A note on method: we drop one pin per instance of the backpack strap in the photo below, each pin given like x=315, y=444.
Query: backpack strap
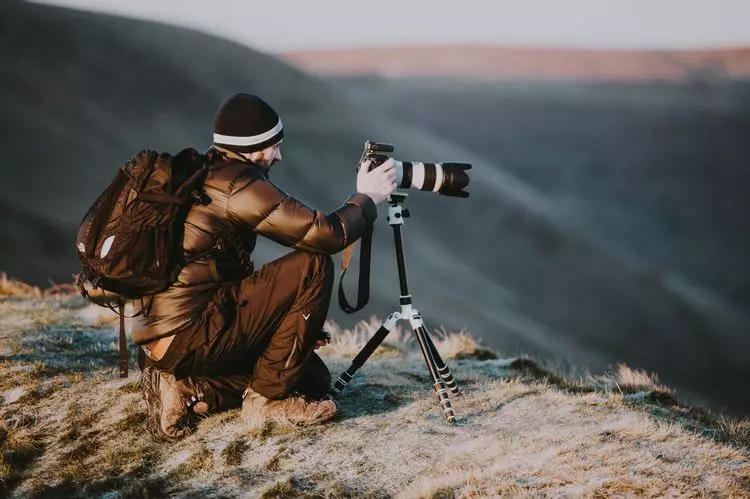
x=123, y=342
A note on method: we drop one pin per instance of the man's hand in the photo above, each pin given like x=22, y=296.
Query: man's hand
x=379, y=183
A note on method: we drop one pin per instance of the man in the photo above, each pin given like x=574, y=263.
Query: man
x=226, y=334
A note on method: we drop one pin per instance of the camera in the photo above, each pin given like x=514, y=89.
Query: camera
x=448, y=179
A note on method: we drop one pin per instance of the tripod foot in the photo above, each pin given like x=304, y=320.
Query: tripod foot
x=445, y=402
x=339, y=385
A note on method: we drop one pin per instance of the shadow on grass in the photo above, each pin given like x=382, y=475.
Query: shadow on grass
x=372, y=398
x=126, y=486
x=16, y=455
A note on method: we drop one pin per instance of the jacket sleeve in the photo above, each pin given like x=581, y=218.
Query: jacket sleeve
x=271, y=212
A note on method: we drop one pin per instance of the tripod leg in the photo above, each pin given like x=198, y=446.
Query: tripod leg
x=440, y=388
x=362, y=356
x=443, y=368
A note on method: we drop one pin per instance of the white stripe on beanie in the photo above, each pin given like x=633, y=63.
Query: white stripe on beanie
x=232, y=140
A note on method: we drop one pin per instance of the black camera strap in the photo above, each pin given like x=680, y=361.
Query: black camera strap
x=363, y=292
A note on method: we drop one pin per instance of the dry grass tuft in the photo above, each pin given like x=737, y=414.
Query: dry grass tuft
x=274, y=464
x=135, y=417
x=400, y=342
x=281, y=490
x=268, y=429
x=348, y=342
x=19, y=446
x=443, y=493
x=77, y=421
x=201, y=461
x=132, y=387
x=234, y=451
x=14, y=287
x=293, y=488
x=461, y=345
x=627, y=380
x=733, y=430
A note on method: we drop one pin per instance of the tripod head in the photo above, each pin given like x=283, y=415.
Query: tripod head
x=396, y=213
x=397, y=198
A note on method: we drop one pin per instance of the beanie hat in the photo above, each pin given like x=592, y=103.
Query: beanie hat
x=246, y=123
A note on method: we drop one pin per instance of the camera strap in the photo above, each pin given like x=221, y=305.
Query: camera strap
x=363, y=292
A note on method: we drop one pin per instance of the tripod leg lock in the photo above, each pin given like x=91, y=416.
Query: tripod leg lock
x=448, y=378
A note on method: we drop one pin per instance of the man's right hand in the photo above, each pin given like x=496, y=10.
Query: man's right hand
x=378, y=183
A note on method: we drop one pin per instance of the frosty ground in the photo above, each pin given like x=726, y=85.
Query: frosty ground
x=70, y=427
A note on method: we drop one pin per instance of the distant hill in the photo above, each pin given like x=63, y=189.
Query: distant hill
x=510, y=264
x=33, y=243
x=525, y=63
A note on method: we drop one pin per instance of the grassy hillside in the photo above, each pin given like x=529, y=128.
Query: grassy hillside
x=70, y=428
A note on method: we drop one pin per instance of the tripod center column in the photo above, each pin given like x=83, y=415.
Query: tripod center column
x=396, y=216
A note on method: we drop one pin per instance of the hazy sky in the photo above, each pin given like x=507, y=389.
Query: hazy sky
x=275, y=26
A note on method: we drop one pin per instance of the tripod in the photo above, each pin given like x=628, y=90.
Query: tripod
x=441, y=375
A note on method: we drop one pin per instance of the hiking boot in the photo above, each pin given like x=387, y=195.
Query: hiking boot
x=252, y=407
x=295, y=409
x=172, y=406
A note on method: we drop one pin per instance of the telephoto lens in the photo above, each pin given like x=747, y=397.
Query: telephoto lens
x=448, y=179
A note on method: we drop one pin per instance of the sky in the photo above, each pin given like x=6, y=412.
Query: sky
x=277, y=26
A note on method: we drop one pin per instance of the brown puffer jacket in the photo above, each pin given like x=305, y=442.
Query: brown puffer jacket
x=244, y=203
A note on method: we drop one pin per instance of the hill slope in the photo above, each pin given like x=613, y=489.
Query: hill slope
x=642, y=169
x=69, y=428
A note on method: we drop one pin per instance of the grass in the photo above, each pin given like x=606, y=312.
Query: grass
x=199, y=462
x=19, y=446
x=69, y=427
x=14, y=287
x=234, y=451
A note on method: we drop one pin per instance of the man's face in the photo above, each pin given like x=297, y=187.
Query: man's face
x=268, y=156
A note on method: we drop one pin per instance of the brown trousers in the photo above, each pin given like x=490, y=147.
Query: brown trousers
x=263, y=329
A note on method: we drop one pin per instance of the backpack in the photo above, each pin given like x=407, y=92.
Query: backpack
x=130, y=239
